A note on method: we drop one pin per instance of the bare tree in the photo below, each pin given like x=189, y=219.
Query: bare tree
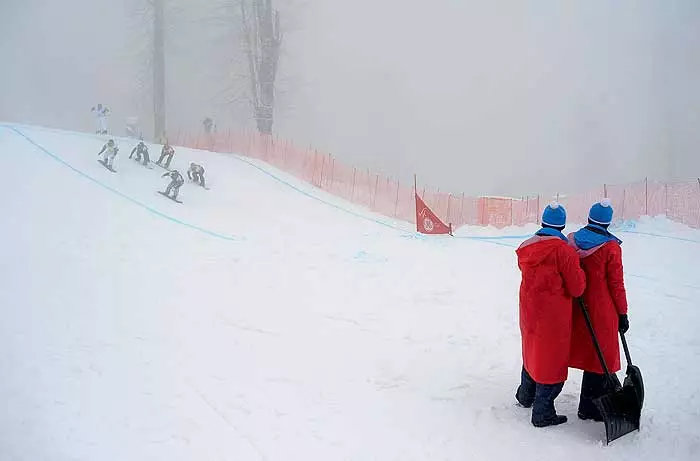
x=262, y=42
x=158, y=71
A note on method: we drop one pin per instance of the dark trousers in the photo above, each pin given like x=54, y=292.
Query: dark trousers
x=538, y=396
x=138, y=157
x=198, y=178
x=162, y=156
x=175, y=187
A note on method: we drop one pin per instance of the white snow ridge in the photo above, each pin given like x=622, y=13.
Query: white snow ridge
x=265, y=320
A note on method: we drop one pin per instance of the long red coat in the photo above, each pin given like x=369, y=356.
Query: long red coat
x=551, y=277
x=606, y=299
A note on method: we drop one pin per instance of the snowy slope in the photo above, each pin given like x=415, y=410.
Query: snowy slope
x=265, y=320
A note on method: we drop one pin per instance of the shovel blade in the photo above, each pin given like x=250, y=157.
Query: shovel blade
x=621, y=411
x=634, y=380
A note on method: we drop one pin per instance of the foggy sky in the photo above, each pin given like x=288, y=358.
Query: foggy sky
x=502, y=97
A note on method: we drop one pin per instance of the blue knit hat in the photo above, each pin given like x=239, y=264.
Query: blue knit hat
x=554, y=215
x=601, y=212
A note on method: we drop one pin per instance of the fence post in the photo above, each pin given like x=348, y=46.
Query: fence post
x=461, y=212
x=449, y=197
x=605, y=191
x=646, y=196
x=323, y=164
x=538, y=210
x=352, y=194
x=376, y=185
x=527, y=208
x=699, y=204
x=666, y=200
x=313, y=173
x=511, y=212
x=396, y=203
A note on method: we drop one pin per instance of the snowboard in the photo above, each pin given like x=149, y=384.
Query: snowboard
x=192, y=181
x=148, y=165
x=162, y=166
x=107, y=166
x=167, y=196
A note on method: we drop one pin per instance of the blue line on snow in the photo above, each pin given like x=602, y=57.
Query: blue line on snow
x=649, y=234
x=122, y=195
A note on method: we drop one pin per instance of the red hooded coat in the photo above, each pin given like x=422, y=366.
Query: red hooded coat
x=606, y=299
x=551, y=277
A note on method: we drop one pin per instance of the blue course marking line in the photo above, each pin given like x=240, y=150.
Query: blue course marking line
x=122, y=195
x=310, y=195
x=649, y=234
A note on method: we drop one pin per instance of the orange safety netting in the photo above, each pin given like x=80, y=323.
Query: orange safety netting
x=678, y=201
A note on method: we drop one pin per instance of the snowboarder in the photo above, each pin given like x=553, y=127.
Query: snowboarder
x=141, y=152
x=196, y=173
x=109, y=151
x=208, y=125
x=168, y=152
x=605, y=296
x=101, y=113
x=551, y=278
x=176, y=181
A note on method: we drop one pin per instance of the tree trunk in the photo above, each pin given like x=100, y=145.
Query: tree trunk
x=158, y=72
x=262, y=41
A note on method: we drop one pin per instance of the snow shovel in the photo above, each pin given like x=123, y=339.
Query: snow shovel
x=634, y=375
x=621, y=405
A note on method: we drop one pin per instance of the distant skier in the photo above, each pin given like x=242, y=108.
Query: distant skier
x=141, y=152
x=101, y=113
x=208, y=125
x=176, y=181
x=196, y=174
x=109, y=151
x=168, y=152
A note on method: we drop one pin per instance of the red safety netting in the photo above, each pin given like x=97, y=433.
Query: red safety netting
x=678, y=201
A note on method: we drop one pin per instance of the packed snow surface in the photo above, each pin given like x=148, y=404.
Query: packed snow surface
x=266, y=320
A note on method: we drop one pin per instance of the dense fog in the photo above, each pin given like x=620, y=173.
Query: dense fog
x=502, y=97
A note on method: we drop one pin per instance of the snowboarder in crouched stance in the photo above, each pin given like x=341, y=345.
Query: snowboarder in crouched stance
x=141, y=152
x=168, y=152
x=110, y=151
x=176, y=181
x=551, y=278
x=196, y=174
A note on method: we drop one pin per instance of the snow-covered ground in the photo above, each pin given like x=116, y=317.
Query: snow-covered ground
x=265, y=320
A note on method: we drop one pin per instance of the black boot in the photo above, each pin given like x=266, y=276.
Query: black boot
x=543, y=412
x=526, y=391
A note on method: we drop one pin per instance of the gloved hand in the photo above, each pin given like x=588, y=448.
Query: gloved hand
x=623, y=323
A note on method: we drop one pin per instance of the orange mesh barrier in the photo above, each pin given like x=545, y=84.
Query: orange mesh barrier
x=678, y=201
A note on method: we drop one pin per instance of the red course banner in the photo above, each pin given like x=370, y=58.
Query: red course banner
x=427, y=222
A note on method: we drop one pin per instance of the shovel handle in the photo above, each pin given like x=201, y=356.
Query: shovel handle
x=595, y=340
x=627, y=351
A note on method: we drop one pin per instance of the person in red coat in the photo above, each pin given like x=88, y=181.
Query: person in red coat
x=551, y=278
x=606, y=299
